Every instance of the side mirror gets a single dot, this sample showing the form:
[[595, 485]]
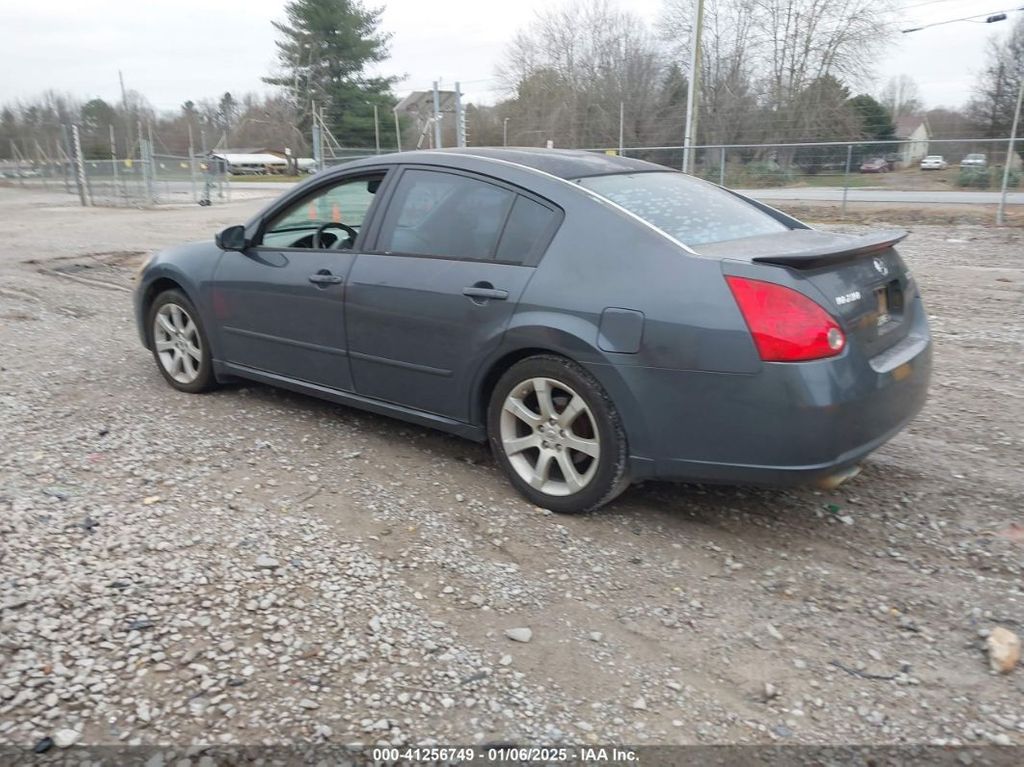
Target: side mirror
[[232, 238]]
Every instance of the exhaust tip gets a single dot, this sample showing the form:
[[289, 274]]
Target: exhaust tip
[[832, 481]]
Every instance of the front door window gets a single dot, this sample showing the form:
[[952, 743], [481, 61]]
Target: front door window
[[329, 219]]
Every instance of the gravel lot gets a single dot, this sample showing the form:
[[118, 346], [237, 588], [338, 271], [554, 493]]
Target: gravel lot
[[253, 566]]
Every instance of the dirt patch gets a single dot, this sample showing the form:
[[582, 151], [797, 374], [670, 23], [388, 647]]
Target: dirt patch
[[905, 214]]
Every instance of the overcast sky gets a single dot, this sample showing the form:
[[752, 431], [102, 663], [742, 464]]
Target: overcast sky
[[191, 49]]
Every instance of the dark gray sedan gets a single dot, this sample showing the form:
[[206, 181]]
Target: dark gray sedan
[[599, 320]]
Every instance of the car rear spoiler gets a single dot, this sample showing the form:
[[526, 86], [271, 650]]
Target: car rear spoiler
[[837, 252]]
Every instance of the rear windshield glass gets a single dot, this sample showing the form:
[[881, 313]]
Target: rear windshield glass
[[691, 211]]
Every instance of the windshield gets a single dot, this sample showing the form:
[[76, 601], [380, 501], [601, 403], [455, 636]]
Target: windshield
[[692, 211]]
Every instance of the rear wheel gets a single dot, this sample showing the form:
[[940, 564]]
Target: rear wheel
[[557, 435], [179, 343]]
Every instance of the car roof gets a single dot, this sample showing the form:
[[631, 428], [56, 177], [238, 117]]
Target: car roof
[[563, 163]]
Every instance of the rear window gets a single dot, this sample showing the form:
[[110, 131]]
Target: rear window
[[692, 211]]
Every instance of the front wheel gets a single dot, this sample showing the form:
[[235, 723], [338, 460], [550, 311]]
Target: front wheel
[[179, 343], [557, 435]]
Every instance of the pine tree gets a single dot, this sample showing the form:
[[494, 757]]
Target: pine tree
[[323, 53]]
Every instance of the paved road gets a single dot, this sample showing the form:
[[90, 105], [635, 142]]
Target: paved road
[[835, 194], [810, 194]]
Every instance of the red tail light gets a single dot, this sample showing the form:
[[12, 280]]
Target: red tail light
[[787, 326]]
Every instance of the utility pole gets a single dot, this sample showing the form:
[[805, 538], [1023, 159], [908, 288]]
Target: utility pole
[[690, 132], [376, 127], [1001, 212], [113, 160], [69, 159], [437, 117], [192, 162], [318, 160], [124, 93], [149, 137], [145, 158], [460, 119], [622, 123], [76, 144], [398, 129], [504, 132]]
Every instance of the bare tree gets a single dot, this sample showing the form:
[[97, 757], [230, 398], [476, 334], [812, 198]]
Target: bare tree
[[569, 71], [774, 52], [728, 102], [901, 97], [996, 90]]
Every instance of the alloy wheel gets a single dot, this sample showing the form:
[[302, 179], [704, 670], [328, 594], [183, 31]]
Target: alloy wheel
[[177, 342], [550, 436]]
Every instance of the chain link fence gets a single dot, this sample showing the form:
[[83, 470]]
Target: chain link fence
[[832, 170], [156, 179], [838, 172], [142, 179]]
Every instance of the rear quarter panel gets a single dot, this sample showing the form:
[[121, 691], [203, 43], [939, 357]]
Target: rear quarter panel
[[601, 258]]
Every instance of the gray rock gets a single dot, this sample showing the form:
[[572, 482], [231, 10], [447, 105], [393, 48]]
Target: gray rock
[[522, 634], [66, 738]]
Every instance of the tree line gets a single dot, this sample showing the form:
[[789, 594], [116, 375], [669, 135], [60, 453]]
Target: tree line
[[580, 74]]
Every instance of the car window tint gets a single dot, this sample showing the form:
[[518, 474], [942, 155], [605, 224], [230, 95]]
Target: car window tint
[[527, 223], [692, 211], [345, 203], [444, 214]]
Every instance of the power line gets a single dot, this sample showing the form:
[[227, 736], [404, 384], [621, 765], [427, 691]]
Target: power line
[[993, 16]]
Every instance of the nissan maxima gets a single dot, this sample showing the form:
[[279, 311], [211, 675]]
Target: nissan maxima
[[598, 320]]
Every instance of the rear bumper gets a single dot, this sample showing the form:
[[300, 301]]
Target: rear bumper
[[789, 424]]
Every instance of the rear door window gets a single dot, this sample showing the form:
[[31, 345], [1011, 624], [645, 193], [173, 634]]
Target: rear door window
[[434, 213], [528, 228]]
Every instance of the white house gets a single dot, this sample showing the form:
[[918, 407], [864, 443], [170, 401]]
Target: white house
[[913, 134]]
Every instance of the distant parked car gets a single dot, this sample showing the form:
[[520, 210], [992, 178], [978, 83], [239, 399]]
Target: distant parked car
[[974, 160], [934, 162], [874, 165], [893, 160]]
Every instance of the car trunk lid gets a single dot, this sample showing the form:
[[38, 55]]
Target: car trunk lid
[[860, 279]]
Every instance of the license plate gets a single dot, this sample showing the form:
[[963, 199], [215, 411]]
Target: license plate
[[882, 301]]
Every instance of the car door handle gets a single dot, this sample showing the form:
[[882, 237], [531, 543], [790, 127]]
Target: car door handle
[[325, 278], [479, 291]]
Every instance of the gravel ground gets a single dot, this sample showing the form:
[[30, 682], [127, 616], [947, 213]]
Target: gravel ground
[[253, 566]]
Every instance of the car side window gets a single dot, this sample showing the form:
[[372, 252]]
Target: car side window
[[528, 224], [442, 214], [336, 212]]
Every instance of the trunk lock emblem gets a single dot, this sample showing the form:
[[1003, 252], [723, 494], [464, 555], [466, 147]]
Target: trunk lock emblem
[[880, 266]]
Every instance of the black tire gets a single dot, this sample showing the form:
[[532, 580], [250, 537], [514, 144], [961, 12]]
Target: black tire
[[204, 380], [611, 475]]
